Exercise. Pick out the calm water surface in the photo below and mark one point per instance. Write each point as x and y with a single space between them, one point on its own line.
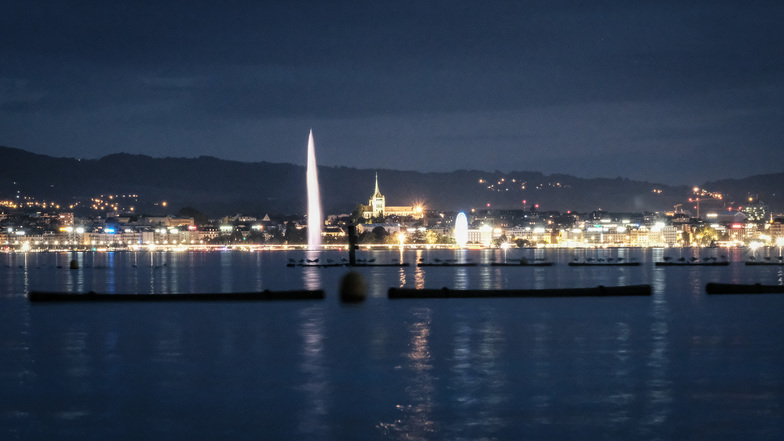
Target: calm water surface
676 365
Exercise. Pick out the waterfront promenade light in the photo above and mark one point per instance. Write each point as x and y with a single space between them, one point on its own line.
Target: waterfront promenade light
754 247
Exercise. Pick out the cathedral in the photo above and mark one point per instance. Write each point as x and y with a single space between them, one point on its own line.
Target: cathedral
378 207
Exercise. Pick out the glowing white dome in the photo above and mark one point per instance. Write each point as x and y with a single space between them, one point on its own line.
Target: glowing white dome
461 230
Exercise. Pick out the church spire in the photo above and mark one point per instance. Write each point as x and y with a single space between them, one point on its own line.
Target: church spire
377 203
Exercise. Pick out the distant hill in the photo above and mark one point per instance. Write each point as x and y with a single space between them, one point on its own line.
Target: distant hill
220 187
769 188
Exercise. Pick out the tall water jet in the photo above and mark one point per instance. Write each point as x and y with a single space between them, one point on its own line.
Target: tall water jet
461 230
314 199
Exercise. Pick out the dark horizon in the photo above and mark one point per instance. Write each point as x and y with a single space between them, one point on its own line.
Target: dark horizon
338 166
219 186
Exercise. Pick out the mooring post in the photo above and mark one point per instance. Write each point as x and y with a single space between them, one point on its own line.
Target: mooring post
352 244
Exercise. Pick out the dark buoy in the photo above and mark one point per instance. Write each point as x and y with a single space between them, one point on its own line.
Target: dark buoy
353 287
74 264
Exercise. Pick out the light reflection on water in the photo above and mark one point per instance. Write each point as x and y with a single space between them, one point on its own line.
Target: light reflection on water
169 347
461 278
415 414
227 269
259 286
629 368
659 386
311 276
419 272
479 382
780 276
485 278
540 280
401 271
621 399
75 350
313 421
542 401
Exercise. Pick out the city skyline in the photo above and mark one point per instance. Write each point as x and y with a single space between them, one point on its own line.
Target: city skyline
665 92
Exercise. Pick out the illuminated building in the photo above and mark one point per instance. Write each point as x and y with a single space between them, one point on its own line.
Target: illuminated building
378 207
482 236
777 228
756 211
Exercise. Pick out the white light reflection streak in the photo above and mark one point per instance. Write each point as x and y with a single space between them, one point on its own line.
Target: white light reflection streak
313 424
540 281
226 266
624 398
78 370
485 277
480 383
401 271
26 277
658 386
542 401
79 285
190 270
169 270
780 278
461 256
659 277
622 273
152 272
419 273
311 276
259 279
461 278
416 422
110 275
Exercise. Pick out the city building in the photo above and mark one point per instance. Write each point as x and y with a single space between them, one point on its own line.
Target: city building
756 210
481 236
378 207
777 228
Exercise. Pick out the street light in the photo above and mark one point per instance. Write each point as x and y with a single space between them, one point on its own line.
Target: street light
505 246
754 247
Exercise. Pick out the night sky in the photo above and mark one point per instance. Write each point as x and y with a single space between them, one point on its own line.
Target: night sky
668 91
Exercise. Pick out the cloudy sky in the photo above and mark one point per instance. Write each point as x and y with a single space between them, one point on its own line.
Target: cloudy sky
667 91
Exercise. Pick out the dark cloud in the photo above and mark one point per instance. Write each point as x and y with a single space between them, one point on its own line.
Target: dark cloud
549 85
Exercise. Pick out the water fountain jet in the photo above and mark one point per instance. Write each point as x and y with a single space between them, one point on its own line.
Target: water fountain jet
461 230
314 198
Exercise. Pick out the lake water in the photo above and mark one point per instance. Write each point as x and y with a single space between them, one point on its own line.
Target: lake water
676 365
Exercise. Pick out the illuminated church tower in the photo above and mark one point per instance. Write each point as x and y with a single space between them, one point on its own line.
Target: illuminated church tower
377 207
377 201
